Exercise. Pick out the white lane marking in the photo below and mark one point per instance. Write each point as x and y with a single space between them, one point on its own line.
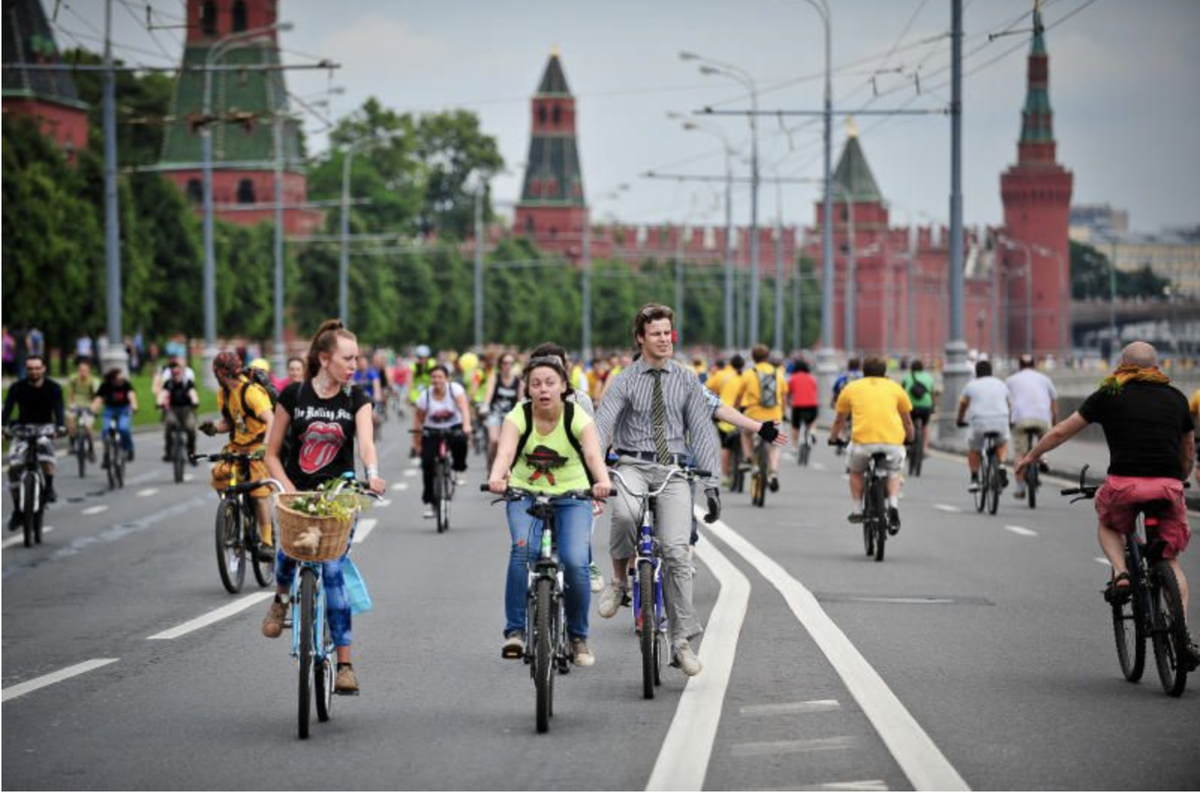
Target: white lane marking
364 529
783 708
20 689
763 748
414 462
11 541
400 486
96 510
915 752
1024 532
683 759
216 615
947 508
383 502
862 784
411 472
820 466
1101 560
147 492
189 477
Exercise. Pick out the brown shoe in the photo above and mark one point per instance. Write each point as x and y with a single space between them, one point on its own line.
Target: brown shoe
272 624
346 682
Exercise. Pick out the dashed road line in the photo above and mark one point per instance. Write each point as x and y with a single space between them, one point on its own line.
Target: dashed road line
947 508
400 487
862 784
1101 560
383 502
96 510
787 708
915 752
819 466
364 529
764 748
1021 530
411 472
150 491
216 615
19 539
683 759
20 689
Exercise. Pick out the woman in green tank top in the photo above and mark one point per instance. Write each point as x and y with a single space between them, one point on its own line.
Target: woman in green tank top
554 458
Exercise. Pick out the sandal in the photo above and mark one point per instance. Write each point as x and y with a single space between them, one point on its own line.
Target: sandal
1116 592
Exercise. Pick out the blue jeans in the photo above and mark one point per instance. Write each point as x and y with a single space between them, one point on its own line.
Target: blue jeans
574 526
337 605
124 418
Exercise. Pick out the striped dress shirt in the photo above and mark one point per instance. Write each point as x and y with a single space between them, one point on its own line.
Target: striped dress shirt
624 419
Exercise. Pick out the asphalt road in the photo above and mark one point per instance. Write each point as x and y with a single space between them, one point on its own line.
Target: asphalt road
979 654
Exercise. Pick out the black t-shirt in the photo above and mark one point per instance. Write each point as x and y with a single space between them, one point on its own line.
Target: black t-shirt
1144 425
115 395
177 392
35 405
320 433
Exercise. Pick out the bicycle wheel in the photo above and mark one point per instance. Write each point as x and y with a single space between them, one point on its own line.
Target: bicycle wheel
80 446
31 506
738 478
1169 630
1031 485
119 468
323 674
177 451
994 491
543 659
867 529
264 569
918 450
110 463
1130 633
231 552
763 463
308 609
645 576
984 485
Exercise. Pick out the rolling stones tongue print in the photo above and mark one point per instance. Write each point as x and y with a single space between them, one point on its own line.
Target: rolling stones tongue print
319 445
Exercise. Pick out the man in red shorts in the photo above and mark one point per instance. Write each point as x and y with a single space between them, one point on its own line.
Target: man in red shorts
1151 452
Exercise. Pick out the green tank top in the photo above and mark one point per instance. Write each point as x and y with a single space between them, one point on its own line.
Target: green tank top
81 392
549 463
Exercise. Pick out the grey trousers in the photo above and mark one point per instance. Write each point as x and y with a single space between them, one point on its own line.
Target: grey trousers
672 527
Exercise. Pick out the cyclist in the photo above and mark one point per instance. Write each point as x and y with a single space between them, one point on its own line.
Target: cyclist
1151 450
178 400
764 392
648 415
368 378
502 394
880 413
985 406
442 406
380 362
321 419
553 458
802 387
1034 407
81 390
923 393
295 370
117 396
421 370
246 414
730 393
852 373
38 400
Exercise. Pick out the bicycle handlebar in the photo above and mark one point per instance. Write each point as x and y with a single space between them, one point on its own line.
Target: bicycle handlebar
518 494
227 457
26 431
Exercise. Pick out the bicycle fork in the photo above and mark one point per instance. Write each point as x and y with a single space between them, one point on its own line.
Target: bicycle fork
646 554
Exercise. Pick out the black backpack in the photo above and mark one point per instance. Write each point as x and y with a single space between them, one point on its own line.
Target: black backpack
917 389
568 420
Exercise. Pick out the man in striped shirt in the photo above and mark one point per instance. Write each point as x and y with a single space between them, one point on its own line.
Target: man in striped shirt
650 415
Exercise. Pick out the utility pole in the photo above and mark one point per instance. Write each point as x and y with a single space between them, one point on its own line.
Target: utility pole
679 286
479 265
779 268
114 353
956 371
586 330
280 352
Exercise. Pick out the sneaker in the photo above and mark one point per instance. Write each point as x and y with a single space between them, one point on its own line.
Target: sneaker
514 645
14 522
345 682
596 577
272 624
429 513
893 521
1019 495
129 456
974 487
611 598
1003 478
686 660
855 517
51 495
266 552
1191 657
580 652
773 483
166 458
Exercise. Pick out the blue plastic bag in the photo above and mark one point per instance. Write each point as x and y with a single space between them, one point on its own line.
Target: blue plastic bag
356 588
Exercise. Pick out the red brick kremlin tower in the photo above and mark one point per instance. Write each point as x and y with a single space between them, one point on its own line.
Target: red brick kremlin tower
1037 199
244 107
552 209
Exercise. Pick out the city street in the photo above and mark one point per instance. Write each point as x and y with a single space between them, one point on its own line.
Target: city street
978 654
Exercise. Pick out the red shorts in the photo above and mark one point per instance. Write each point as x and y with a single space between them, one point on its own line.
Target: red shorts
1117 503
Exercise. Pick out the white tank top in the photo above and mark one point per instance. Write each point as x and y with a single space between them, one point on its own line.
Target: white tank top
442 413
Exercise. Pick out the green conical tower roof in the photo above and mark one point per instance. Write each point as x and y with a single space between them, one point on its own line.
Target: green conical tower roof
554 82
552 174
28 38
853 173
1037 118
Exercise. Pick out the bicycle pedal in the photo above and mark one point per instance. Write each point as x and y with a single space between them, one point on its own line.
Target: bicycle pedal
345 693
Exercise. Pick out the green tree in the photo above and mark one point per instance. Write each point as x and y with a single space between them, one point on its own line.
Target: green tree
1091 277
143 103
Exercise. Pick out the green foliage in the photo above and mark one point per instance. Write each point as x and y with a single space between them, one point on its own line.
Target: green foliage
1091 277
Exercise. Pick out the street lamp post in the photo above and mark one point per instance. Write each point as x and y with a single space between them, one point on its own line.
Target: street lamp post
849 286
114 351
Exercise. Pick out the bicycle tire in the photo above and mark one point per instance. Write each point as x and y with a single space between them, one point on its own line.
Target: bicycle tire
308 594
231 552
738 476
1129 631
30 486
918 450
763 461
120 466
543 659
177 447
1169 632
994 492
323 675
109 464
264 569
1031 485
80 444
985 483
645 575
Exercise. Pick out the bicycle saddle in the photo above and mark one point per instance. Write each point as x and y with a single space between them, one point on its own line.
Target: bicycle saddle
879 457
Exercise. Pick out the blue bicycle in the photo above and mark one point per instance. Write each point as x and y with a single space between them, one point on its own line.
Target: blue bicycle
312 638
646 577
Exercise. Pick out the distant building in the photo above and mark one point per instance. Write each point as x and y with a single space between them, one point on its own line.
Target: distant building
1089 221
245 107
50 95
1173 254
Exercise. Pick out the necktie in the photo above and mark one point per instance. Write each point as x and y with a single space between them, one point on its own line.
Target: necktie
658 419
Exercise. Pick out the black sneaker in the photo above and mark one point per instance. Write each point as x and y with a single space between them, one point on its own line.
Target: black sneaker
855 517
166 458
1191 657
893 521
773 483
14 522
51 495
129 456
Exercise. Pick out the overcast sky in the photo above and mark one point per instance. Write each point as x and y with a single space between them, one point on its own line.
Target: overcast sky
1122 85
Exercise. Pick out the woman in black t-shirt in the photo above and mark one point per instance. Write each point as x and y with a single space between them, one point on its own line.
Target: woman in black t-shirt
321 418
116 394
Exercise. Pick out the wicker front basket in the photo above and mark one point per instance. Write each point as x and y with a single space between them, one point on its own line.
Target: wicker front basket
307 537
